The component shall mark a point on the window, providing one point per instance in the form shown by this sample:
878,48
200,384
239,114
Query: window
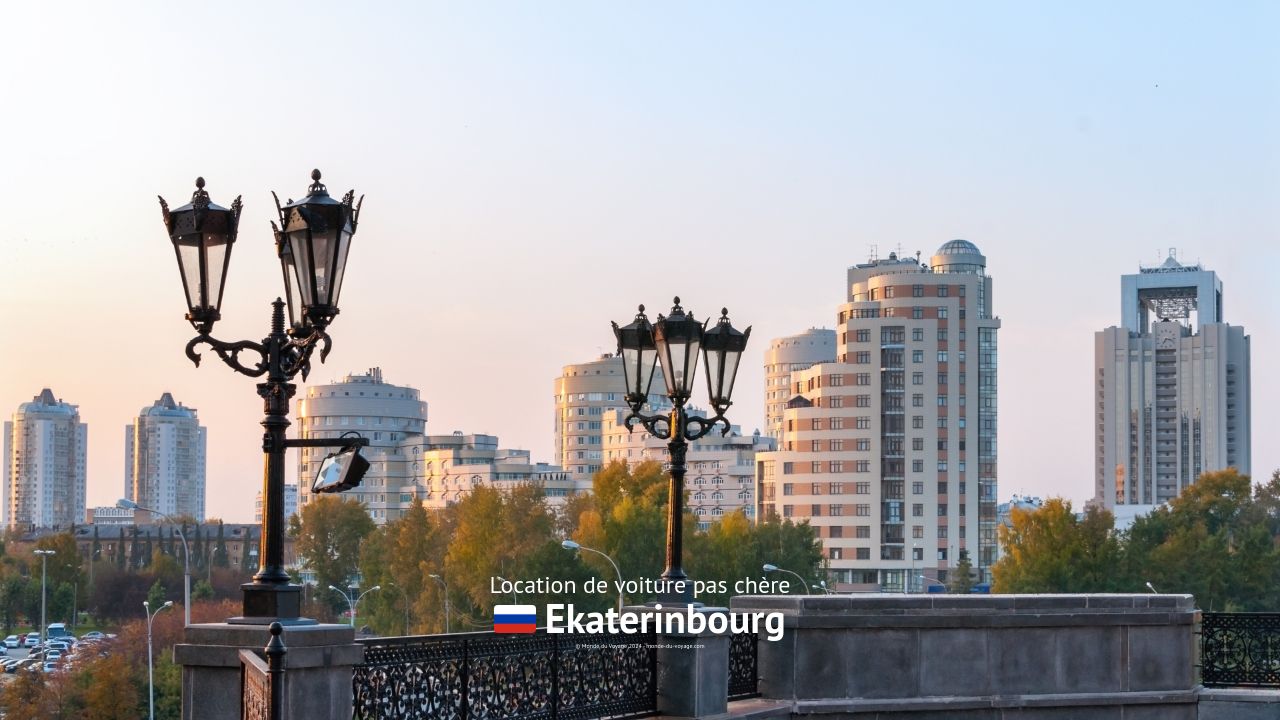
942,335
917,378
917,531
862,379
788,510
942,401
862,422
788,468
917,313
942,423
788,488
835,401
942,532
942,290
918,334
962,487
835,510
917,400
862,488
917,466
917,356
917,291
942,466
917,487
917,553
835,488
863,553
942,313
816,424
942,443
862,531
862,358
942,509
834,553
836,380
862,466
917,422
862,510
862,336
815,466
942,356
835,531
942,488
837,466
816,446
917,510
888,292
862,445
837,445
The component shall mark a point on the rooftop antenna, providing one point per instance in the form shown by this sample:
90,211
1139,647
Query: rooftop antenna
875,252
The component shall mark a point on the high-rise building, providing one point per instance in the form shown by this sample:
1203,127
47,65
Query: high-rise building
164,459
445,468
584,393
386,414
290,502
45,446
1172,390
785,356
890,450
720,469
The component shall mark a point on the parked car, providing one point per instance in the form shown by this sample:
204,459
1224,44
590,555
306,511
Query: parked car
31,640
93,635
12,642
58,645
50,666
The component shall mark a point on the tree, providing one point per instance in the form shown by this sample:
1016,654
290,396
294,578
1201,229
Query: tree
155,596
220,558
327,534
1049,550
962,575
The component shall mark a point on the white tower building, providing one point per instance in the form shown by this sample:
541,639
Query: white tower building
45,446
164,459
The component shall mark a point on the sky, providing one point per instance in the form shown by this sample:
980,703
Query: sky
534,170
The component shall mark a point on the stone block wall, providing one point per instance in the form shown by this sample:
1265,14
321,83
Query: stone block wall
981,657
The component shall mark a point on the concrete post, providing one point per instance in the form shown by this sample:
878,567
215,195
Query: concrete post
693,668
319,666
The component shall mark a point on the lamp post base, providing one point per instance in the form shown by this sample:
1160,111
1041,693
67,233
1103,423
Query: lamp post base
265,604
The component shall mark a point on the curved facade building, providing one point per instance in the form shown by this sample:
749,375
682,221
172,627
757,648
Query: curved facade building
164,459
45,446
386,414
784,356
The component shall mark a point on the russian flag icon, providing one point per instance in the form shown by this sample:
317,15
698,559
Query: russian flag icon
515,618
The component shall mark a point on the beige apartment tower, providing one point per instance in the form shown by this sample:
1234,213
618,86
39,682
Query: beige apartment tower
164,459
785,356
584,393
889,451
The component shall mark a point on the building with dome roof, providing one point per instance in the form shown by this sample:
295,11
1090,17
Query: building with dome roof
1172,388
164,459
889,450
45,448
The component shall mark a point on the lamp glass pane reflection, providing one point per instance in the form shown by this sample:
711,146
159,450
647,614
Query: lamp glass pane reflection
340,471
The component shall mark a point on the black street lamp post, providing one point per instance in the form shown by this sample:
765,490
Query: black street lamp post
313,247
676,341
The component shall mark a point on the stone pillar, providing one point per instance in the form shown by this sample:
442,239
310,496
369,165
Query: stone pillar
693,668
318,668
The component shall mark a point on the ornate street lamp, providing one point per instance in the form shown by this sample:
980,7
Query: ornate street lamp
676,341
313,247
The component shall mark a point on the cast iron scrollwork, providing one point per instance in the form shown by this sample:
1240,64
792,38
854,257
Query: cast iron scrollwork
294,352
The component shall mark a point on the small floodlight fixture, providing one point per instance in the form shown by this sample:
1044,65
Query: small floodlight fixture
341,471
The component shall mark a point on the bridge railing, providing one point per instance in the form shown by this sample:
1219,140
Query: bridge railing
1240,649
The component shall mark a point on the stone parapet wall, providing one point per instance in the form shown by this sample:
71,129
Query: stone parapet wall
981,656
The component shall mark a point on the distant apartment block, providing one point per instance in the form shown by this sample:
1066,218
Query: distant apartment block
1172,390
45,447
290,502
889,450
785,356
164,459
406,464
721,469
584,393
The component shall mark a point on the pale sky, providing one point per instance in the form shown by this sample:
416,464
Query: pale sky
534,170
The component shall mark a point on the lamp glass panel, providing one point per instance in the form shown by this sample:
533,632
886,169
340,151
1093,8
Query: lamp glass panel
299,245
340,269
323,247
290,292
631,369
731,360
217,250
665,352
189,259
714,376
648,363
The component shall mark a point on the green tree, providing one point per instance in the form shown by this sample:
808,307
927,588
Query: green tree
327,534
1049,550
156,596
220,558
961,580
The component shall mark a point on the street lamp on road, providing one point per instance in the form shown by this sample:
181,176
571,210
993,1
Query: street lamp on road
353,604
514,598
444,588
44,563
769,567
128,504
151,680
571,545
313,241
676,341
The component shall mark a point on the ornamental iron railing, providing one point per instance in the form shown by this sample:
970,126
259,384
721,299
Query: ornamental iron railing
1240,649
262,684
487,676
743,677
